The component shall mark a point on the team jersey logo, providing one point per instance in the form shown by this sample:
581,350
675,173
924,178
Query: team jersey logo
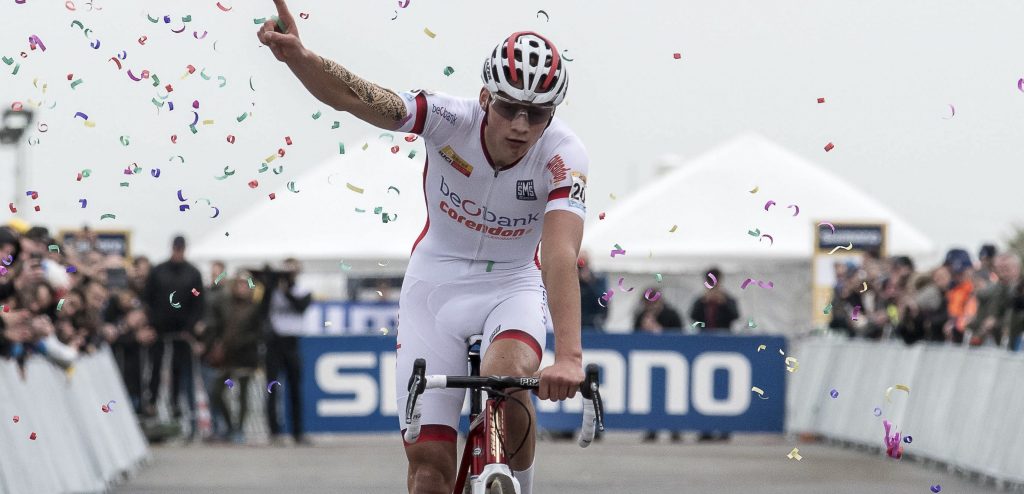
524,190
456,161
557,169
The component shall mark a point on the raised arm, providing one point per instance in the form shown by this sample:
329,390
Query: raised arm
327,80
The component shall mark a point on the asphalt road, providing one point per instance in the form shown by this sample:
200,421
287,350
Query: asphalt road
620,463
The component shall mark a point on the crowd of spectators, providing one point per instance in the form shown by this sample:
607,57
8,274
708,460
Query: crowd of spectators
62,301
961,301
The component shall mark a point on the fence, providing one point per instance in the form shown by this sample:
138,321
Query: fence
965,407
78,447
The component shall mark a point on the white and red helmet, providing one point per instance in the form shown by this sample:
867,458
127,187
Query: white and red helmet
527,67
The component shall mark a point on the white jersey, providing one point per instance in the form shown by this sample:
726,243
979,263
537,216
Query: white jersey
477,216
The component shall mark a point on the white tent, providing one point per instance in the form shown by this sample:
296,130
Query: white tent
709,203
320,225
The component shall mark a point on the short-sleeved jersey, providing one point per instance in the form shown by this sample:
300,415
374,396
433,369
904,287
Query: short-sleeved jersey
477,216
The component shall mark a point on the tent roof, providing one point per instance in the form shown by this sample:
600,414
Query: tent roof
320,222
710,200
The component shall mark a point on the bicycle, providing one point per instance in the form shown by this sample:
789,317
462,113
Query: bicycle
484,460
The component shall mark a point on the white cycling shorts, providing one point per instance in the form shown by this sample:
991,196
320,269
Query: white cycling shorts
435,319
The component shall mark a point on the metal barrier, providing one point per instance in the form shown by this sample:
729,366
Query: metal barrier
77,446
964,407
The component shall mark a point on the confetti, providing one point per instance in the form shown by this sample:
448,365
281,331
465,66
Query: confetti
176,305
341,148
251,284
316,115
222,7
792,365
616,252
829,147
622,287
834,394
673,229
751,324
878,412
652,298
657,276
901,387
272,196
195,293
795,455
828,308
830,225
428,32
755,189
677,55
848,247
768,205
865,287
32,436
759,391
698,324
771,240
546,16
794,206
856,312
1020,85
304,15
908,439
754,233
17,419
60,305
108,216
821,100
449,70
490,266
220,277
952,112
229,383
253,184
936,488
893,448
353,188
714,281
270,386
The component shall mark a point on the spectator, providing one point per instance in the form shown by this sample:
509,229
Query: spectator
717,310
288,302
657,317
961,304
592,288
176,326
1003,314
232,337
924,312
845,298
211,361
985,276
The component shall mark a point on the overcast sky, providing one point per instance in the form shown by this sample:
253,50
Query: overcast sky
889,72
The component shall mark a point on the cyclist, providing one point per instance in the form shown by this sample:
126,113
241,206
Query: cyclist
502,177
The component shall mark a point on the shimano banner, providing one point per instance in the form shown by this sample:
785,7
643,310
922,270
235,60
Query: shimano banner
677,382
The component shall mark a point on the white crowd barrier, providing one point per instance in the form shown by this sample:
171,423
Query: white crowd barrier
965,407
78,447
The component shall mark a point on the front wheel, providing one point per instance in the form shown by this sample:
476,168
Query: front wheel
501,484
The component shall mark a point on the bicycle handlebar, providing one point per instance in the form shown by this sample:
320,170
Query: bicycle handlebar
593,415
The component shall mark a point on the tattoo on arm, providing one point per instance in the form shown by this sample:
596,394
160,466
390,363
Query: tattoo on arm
381,100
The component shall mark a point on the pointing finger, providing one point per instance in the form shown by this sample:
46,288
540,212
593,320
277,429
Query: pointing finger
284,14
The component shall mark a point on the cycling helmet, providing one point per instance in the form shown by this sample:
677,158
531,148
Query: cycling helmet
527,67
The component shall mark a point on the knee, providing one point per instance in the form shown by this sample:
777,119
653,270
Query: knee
427,478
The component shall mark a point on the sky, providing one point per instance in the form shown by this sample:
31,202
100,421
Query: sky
921,99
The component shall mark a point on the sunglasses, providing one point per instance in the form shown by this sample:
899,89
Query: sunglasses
510,110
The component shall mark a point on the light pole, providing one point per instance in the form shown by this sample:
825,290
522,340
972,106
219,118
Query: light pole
12,127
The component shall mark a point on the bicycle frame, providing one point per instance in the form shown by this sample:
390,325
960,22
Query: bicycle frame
486,422
484,461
